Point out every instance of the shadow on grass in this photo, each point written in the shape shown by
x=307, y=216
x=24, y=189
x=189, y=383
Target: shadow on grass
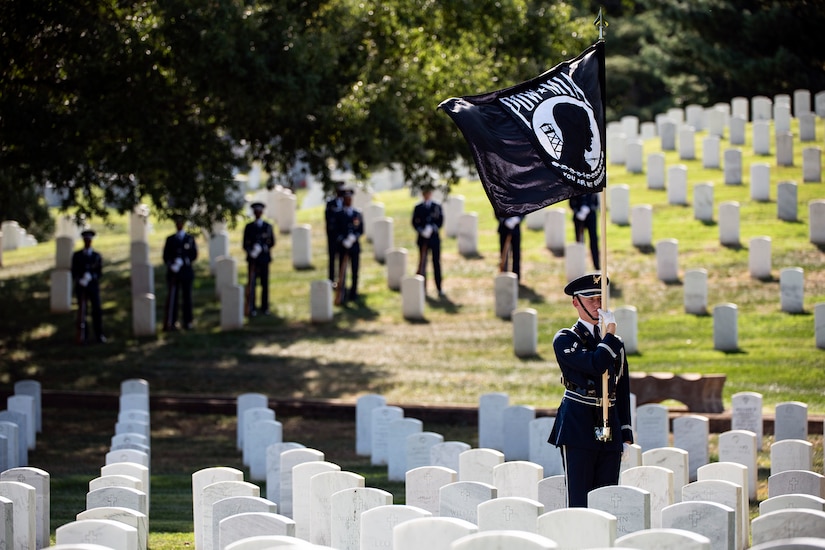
x=206, y=360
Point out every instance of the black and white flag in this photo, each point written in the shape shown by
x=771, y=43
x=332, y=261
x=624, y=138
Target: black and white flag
x=541, y=141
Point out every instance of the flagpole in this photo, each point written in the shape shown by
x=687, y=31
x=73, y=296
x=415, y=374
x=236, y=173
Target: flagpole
x=600, y=23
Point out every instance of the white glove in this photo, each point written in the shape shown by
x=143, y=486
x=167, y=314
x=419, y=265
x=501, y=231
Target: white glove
x=85, y=280
x=427, y=231
x=176, y=265
x=581, y=215
x=349, y=241
x=512, y=222
x=256, y=251
x=606, y=317
x=625, y=447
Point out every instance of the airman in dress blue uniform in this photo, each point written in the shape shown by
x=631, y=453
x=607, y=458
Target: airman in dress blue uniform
x=591, y=451
x=349, y=226
x=584, y=209
x=179, y=252
x=87, y=268
x=509, y=240
x=427, y=219
x=258, y=242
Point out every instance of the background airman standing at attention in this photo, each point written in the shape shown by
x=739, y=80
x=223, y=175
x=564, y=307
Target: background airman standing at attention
x=258, y=242
x=427, y=220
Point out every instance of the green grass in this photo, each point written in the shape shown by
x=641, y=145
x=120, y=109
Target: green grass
x=458, y=353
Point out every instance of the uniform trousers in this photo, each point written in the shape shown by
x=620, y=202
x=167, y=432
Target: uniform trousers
x=588, y=469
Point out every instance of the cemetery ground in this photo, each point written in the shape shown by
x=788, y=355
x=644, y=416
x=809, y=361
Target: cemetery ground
x=459, y=352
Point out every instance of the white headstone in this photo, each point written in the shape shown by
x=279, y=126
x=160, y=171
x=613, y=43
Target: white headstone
x=652, y=426
x=553, y=492
x=382, y=240
x=791, y=421
x=363, y=421
x=453, y=209
x=399, y=430
x=525, y=332
x=673, y=459
x=435, y=533
x=60, y=291
x=619, y=204
x=302, y=246
x=656, y=171
x=658, y=482
x=478, y=464
x=696, y=291
x=468, y=234
x=746, y=414
x=273, y=468
x=667, y=135
x=710, y=152
x=555, y=230
x=812, y=165
x=509, y=514
x=218, y=248
x=733, y=166
x=321, y=488
x=759, y=257
x=784, y=149
x=630, y=506
x=721, y=492
x=792, y=289
x=579, y=527
x=627, y=327
x=691, y=433
x=106, y=533
x=807, y=128
x=377, y=524
x=396, y=267
x=542, y=453
x=739, y=446
x=302, y=475
x=725, y=327
x=201, y=479
x=232, y=306
x=446, y=454
x=321, y=301
x=667, y=260
x=412, y=297
x=382, y=417
x=729, y=223
x=634, y=151
x=786, y=205
x=760, y=182
x=737, y=126
x=461, y=499
x=419, y=448
x=803, y=482
x=289, y=459
x=144, y=315
x=518, y=478
x=761, y=130
x=226, y=273
x=715, y=521
x=517, y=419
x=506, y=294
x=677, y=184
x=734, y=473
x=687, y=143
x=490, y=420
x=641, y=225
x=788, y=524
x=423, y=484
x=347, y=507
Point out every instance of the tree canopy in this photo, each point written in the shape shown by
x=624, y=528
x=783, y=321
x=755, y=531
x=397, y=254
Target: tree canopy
x=116, y=102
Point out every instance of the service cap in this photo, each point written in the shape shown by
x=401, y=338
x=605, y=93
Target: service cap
x=586, y=286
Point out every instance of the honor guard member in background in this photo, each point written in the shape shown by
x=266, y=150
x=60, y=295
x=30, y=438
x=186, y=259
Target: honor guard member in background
x=509, y=240
x=334, y=205
x=179, y=252
x=349, y=226
x=87, y=267
x=585, y=208
x=258, y=242
x=591, y=453
x=427, y=219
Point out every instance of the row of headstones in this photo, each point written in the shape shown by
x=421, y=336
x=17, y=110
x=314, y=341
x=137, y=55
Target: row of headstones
x=472, y=457
x=12, y=237
x=632, y=151
x=714, y=119
x=640, y=217
x=117, y=503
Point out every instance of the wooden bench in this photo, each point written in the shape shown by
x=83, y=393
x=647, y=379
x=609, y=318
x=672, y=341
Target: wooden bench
x=700, y=392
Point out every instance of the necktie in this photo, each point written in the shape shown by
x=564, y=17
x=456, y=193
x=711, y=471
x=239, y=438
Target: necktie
x=597, y=333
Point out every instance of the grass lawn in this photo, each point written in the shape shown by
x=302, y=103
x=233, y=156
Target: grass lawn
x=461, y=351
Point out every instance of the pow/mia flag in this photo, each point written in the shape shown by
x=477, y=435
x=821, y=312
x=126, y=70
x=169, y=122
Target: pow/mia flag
x=541, y=141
